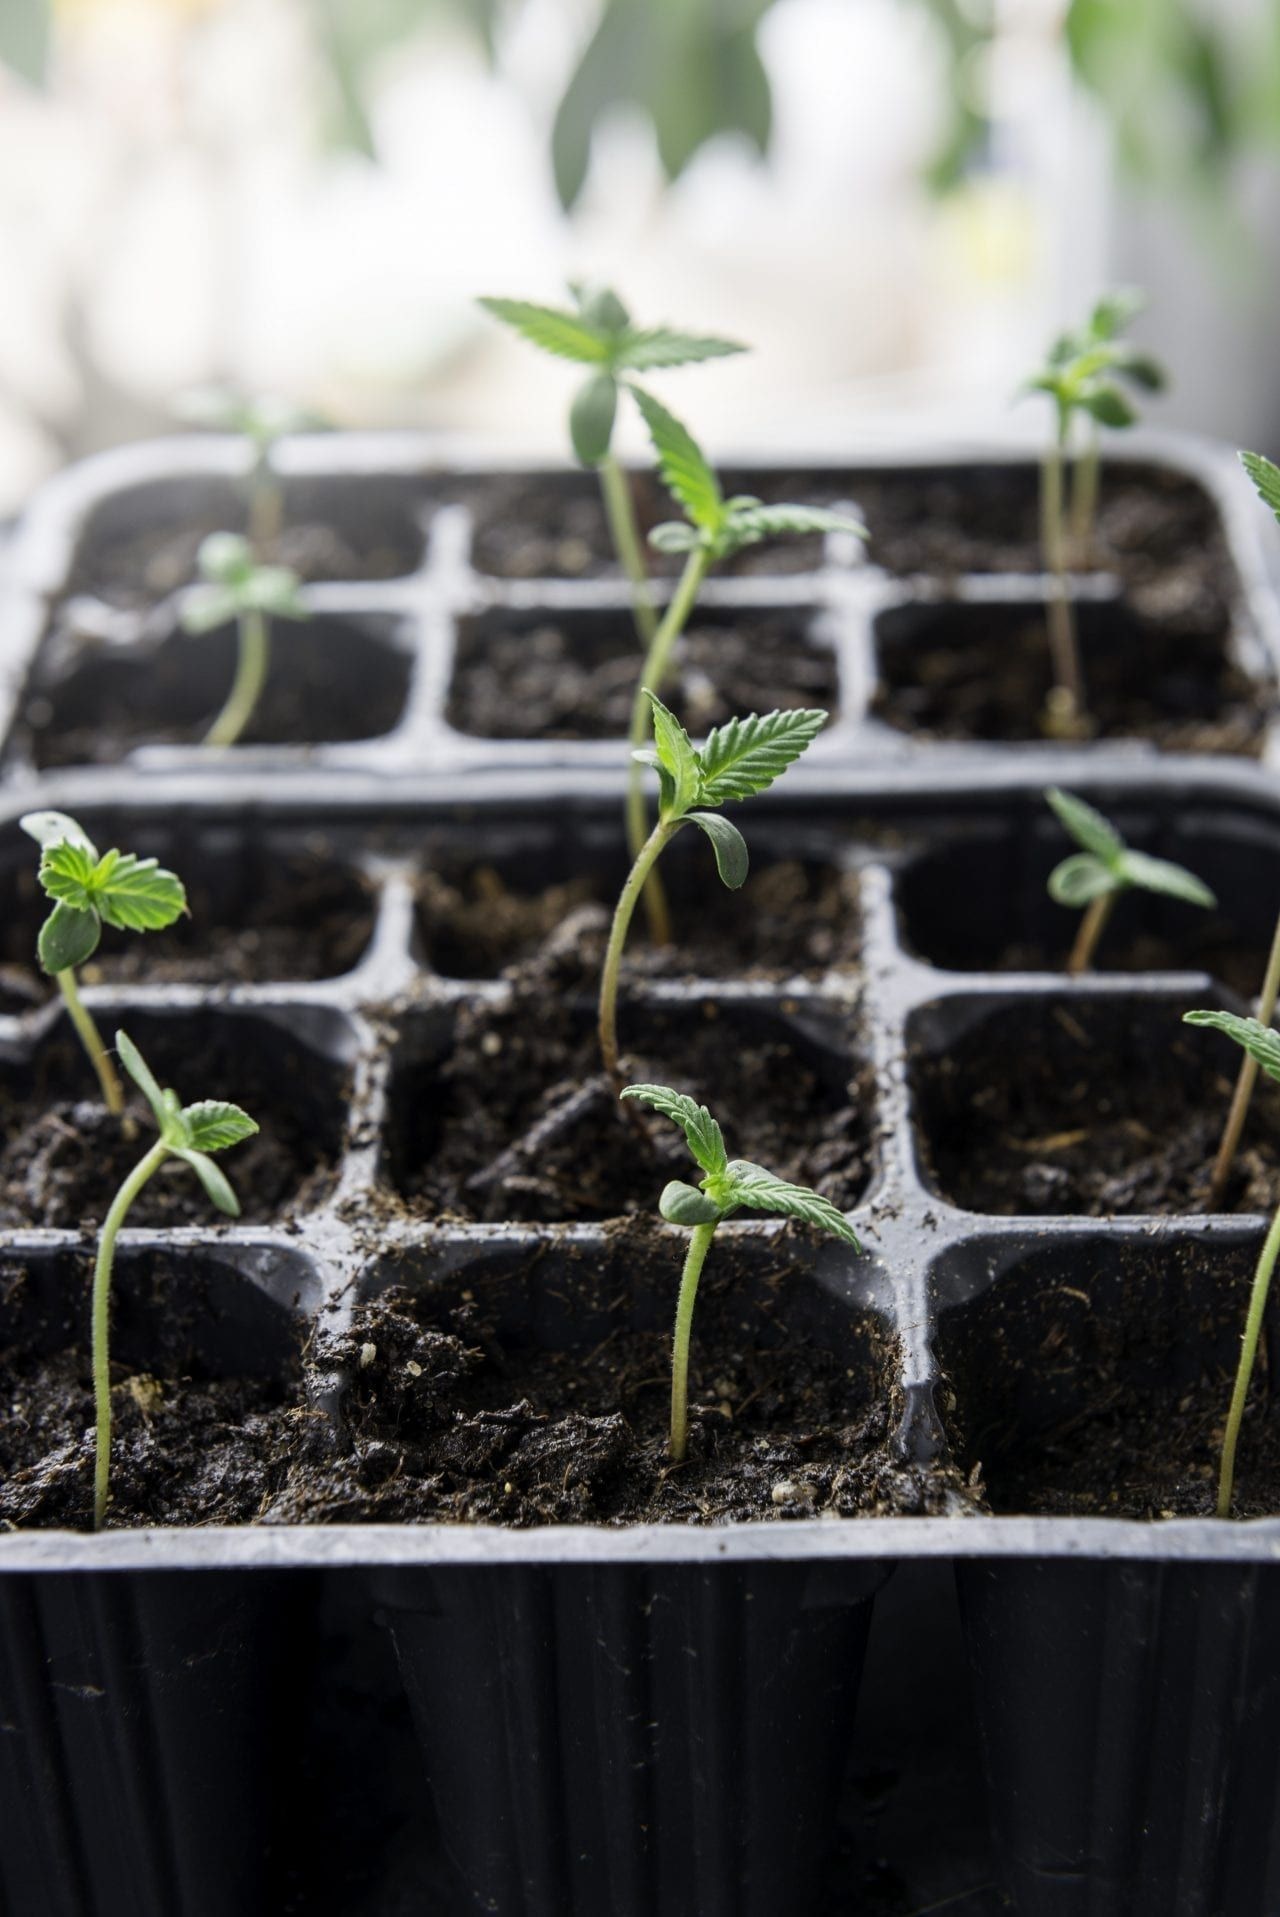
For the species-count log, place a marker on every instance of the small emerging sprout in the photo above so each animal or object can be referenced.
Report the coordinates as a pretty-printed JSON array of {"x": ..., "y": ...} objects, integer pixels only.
[
  {"x": 237, "y": 588},
  {"x": 1103, "y": 868},
  {"x": 1085, "y": 376},
  {"x": 738, "y": 761},
  {"x": 117, "y": 889},
  {"x": 188, "y": 1132},
  {"x": 599, "y": 335},
  {"x": 263, "y": 420},
  {"x": 1266, "y": 483},
  {"x": 726, "y": 1185},
  {"x": 1261, "y": 1043}
]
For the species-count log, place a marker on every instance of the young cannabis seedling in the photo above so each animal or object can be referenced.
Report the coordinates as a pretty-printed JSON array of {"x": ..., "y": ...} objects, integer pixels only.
[
  {"x": 1103, "y": 868},
  {"x": 1266, "y": 483},
  {"x": 1261, "y": 1044},
  {"x": 726, "y": 1185},
  {"x": 598, "y": 335},
  {"x": 237, "y": 588},
  {"x": 188, "y": 1132},
  {"x": 88, "y": 892},
  {"x": 262, "y": 420},
  {"x": 738, "y": 761},
  {"x": 1085, "y": 375}
]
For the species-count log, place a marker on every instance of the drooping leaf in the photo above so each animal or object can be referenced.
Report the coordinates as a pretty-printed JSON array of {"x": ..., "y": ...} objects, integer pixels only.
[
  {"x": 1091, "y": 832},
  {"x": 728, "y": 844},
  {"x": 1163, "y": 876},
  {"x": 591, "y": 418},
  {"x": 1081, "y": 879},
  {"x": 746, "y": 755},
  {"x": 1266, "y": 479},
  {"x": 67, "y": 938},
  {"x": 139, "y": 895},
  {"x": 213, "y": 1125},
  {"x": 682, "y": 1204},
  {"x": 141, "y": 1074},
  {"x": 1261, "y": 1042},
  {"x": 656, "y": 346},
  {"x": 212, "y": 1177},
  {"x": 758, "y": 1189},
  {"x": 685, "y": 472},
  {"x": 566, "y": 335},
  {"x": 677, "y": 758},
  {"x": 702, "y": 1134}
]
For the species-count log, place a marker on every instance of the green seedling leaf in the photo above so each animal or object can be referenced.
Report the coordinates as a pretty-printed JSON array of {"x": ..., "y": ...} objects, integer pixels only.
[
  {"x": 686, "y": 1205},
  {"x": 68, "y": 937},
  {"x": 1266, "y": 479},
  {"x": 683, "y": 469},
  {"x": 601, "y": 308},
  {"x": 674, "y": 535},
  {"x": 140, "y": 1072},
  {"x": 1081, "y": 879},
  {"x": 758, "y": 1189},
  {"x": 565, "y": 335},
  {"x": 1084, "y": 371},
  {"x": 90, "y": 891},
  {"x": 1091, "y": 832},
  {"x": 749, "y": 522},
  {"x": 591, "y": 418},
  {"x": 1108, "y": 405},
  {"x": 1114, "y": 311},
  {"x": 212, "y": 1177},
  {"x": 728, "y": 844},
  {"x": 1163, "y": 876},
  {"x": 1261, "y": 1042},
  {"x": 702, "y": 1134},
  {"x": 56, "y": 828},
  {"x": 745, "y": 756},
  {"x": 1108, "y": 865},
  {"x": 262, "y": 418},
  {"x": 213, "y": 1125},
  {"x": 676, "y": 758},
  {"x": 660, "y": 346}
]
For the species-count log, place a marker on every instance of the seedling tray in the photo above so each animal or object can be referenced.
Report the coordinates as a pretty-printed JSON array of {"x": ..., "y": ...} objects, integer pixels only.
[{"x": 784, "y": 1716}]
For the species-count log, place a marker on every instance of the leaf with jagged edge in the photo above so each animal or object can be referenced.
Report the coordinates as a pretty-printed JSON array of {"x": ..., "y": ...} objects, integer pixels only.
[
  {"x": 681, "y": 464},
  {"x": 677, "y": 758},
  {"x": 1265, "y": 475},
  {"x": 702, "y": 1134},
  {"x": 1261, "y": 1042},
  {"x": 213, "y": 1125},
  {"x": 746, "y": 755},
  {"x": 132, "y": 894},
  {"x": 565, "y": 335},
  {"x": 1091, "y": 832},
  {"x": 759, "y": 1190},
  {"x": 747, "y": 525},
  {"x": 1162, "y": 876},
  {"x": 652, "y": 347}
]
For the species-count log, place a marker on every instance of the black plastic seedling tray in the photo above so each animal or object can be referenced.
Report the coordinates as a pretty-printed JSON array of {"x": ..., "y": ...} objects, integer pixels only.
[{"x": 967, "y": 1710}]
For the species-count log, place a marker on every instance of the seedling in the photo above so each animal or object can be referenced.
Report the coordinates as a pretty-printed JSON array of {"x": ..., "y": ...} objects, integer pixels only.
[
  {"x": 188, "y": 1132},
  {"x": 713, "y": 529},
  {"x": 263, "y": 420},
  {"x": 726, "y": 1185},
  {"x": 1261, "y": 1044},
  {"x": 88, "y": 891},
  {"x": 1085, "y": 376},
  {"x": 237, "y": 588},
  {"x": 738, "y": 760},
  {"x": 1094, "y": 877},
  {"x": 1266, "y": 481},
  {"x": 598, "y": 334}
]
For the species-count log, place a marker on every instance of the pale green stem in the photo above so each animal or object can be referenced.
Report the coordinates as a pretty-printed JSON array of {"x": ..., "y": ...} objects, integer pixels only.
[
  {"x": 1067, "y": 699},
  {"x": 620, "y": 513},
  {"x": 251, "y": 675},
  {"x": 695, "y": 1258},
  {"x": 623, "y": 913},
  {"x": 1092, "y": 926},
  {"x": 102, "y": 1269},
  {"x": 1248, "y": 1353},
  {"x": 1245, "y": 1082},
  {"x": 656, "y": 666},
  {"x": 91, "y": 1038},
  {"x": 266, "y": 507},
  {"x": 1084, "y": 502}
]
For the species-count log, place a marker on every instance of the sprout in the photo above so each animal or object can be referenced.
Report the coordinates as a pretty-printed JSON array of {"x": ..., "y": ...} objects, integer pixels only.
[
  {"x": 188, "y": 1132},
  {"x": 1262, "y": 1046},
  {"x": 237, "y": 588},
  {"x": 1105, "y": 866},
  {"x": 738, "y": 760},
  {"x": 726, "y": 1185},
  {"x": 263, "y": 420},
  {"x": 1085, "y": 376},
  {"x": 117, "y": 889}
]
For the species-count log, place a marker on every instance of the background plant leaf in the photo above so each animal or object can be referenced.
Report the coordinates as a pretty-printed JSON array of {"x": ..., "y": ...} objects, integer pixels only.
[
  {"x": 1163, "y": 876},
  {"x": 1261, "y": 1042},
  {"x": 1266, "y": 479},
  {"x": 1091, "y": 832},
  {"x": 1081, "y": 879},
  {"x": 566, "y": 335}
]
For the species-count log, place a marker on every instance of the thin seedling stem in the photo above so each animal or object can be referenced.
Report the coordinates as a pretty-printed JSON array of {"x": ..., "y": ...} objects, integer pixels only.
[
  {"x": 619, "y": 510},
  {"x": 251, "y": 675},
  {"x": 91, "y": 1038},
  {"x": 623, "y": 913},
  {"x": 1248, "y": 1354},
  {"x": 1084, "y": 502},
  {"x": 1067, "y": 699},
  {"x": 1245, "y": 1082},
  {"x": 102, "y": 1270},
  {"x": 1092, "y": 926},
  {"x": 699, "y": 1245},
  {"x": 656, "y": 667}
]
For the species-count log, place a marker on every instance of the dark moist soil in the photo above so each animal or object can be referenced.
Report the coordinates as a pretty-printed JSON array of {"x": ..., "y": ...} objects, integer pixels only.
[
  {"x": 576, "y": 679},
  {"x": 451, "y": 1421},
  {"x": 792, "y": 919},
  {"x": 515, "y": 1120},
  {"x": 1061, "y": 1112}
]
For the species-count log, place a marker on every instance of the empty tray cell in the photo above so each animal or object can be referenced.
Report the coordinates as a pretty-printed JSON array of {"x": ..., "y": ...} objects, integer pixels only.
[
  {"x": 1088, "y": 1104},
  {"x": 265, "y": 906},
  {"x": 971, "y": 670},
  {"x": 509, "y": 1116},
  {"x": 572, "y": 675},
  {"x": 979, "y": 902},
  {"x": 1157, "y": 528},
  {"x": 63, "y": 1155},
  {"x": 141, "y": 543},
  {"x": 534, "y": 1387},
  {"x": 552, "y": 525},
  {"x": 544, "y": 897},
  {"x": 331, "y": 680},
  {"x": 1092, "y": 1376},
  {"x": 206, "y": 1368}
]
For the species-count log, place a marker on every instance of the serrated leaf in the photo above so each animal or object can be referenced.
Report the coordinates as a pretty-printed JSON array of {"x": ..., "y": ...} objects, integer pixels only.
[
  {"x": 565, "y": 335},
  {"x": 212, "y": 1177},
  {"x": 1266, "y": 479},
  {"x": 591, "y": 418},
  {"x": 747, "y": 755},
  {"x": 1091, "y": 832},
  {"x": 1081, "y": 879},
  {"x": 1164, "y": 877},
  {"x": 702, "y": 1134},
  {"x": 56, "y": 828},
  {"x": 139, "y": 895},
  {"x": 758, "y": 1189},
  {"x": 674, "y": 535},
  {"x": 748, "y": 525},
  {"x": 140, "y": 1072},
  {"x": 728, "y": 844},
  {"x": 656, "y": 346},
  {"x": 68, "y": 872},
  {"x": 682, "y": 1204},
  {"x": 684, "y": 471},
  {"x": 67, "y": 938},
  {"x": 1261, "y": 1042},
  {"x": 676, "y": 757},
  {"x": 213, "y": 1125}
]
